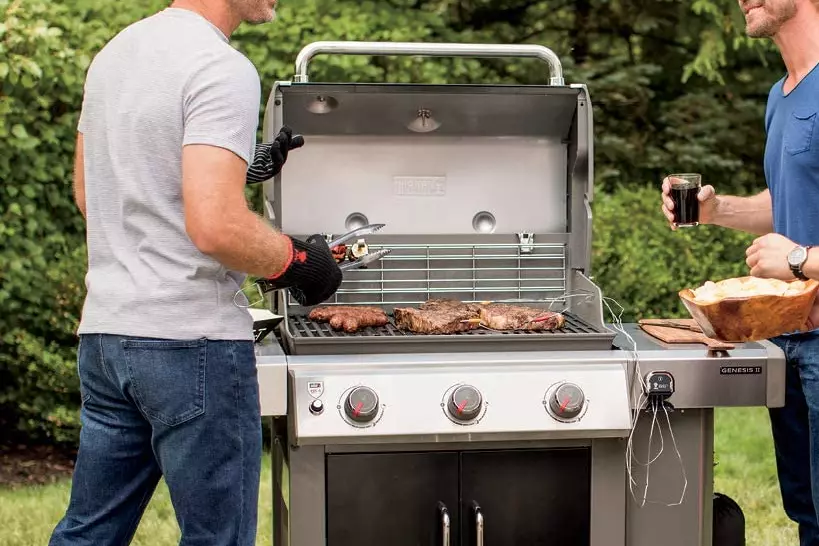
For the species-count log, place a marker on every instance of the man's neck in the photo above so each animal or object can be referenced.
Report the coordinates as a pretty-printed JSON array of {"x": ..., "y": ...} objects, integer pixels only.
[
  {"x": 798, "y": 43},
  {"x": 217, "y": 12}
]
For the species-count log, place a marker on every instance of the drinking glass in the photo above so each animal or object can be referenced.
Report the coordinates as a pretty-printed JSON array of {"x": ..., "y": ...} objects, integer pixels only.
[{"x": 684, "y": 190}]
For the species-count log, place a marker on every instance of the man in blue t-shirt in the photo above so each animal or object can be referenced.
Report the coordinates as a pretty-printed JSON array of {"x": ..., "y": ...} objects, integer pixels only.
[{"x": 786, "y": 216}]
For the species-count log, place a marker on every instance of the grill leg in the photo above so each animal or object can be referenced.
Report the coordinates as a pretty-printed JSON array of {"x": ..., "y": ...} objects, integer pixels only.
[{"x": 281, "y": 517}]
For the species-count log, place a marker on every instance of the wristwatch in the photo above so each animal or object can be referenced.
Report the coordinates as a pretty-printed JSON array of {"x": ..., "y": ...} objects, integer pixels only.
[{"x": 796, "y": 259}]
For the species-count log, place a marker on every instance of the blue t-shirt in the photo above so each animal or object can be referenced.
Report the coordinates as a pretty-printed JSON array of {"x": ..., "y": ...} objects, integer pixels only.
[{"x": 792, "y": 158}]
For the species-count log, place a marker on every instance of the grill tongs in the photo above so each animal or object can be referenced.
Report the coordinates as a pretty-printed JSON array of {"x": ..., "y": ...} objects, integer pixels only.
[
  {"x": 346, "y": 264},
  {"x": 356, "y": 261}
]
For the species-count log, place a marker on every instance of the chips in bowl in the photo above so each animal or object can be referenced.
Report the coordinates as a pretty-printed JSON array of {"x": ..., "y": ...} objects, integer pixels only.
[{"x": 750, "y": 308}]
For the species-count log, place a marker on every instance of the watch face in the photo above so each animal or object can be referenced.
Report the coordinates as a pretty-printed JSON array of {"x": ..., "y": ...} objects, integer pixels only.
[{"x": 797, "y": 256}]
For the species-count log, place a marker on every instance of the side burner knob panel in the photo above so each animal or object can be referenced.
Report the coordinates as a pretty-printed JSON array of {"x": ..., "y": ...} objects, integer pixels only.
[
  {"x": 565, "y": 401},
  {"x": 465, "y": 403},
  {"x": 361, "y": 404}
]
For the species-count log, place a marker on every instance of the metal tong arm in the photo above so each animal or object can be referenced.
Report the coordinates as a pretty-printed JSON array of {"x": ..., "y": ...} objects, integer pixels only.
[
  {"x": 364, "y": 230},
  {"x": 365, "y": 260},
  {"x": 430, "y": 50}
]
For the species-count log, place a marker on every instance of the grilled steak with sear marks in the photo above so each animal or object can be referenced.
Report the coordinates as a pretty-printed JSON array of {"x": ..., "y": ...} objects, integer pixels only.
[
  {"x": 442, "y": 316},
  {"x": 439, "y": 316},
  {"x": 501, "y": 316}
]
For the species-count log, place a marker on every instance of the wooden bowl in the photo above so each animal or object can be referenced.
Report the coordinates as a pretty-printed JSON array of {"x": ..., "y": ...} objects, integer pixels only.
[{"x": 752, "y": 318}]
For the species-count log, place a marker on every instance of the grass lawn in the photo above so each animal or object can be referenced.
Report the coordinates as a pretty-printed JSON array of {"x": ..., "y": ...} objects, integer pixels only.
[{"x": 745, "y": 472}]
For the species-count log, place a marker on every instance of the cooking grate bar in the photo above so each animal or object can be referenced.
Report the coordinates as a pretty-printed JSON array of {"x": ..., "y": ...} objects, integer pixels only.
[{"x": 302, "y": 327}]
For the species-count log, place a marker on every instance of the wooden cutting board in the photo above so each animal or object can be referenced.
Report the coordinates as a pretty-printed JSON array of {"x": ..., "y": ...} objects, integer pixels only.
[
  {"x": 679, "y": 335},
  {"x": 685, "y": 324}
]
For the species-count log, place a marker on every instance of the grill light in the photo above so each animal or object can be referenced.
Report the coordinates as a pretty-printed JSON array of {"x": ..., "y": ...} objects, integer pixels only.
[
  {"x": 322, "y": 105},
  {"x": 423, "y": 122}
]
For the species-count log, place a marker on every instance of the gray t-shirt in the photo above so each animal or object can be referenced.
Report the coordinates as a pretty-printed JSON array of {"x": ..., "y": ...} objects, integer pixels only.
[{"x": 166, "y": 81}]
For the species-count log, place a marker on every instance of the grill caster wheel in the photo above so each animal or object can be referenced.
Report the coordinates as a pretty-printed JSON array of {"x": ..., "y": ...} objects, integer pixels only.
[{"x": 729, "y": 522}]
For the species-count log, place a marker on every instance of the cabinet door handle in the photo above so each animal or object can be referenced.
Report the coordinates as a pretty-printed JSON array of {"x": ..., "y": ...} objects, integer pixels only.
[
  {"x": 443, "y": 513},
  {"x": 476, "y": 509}
]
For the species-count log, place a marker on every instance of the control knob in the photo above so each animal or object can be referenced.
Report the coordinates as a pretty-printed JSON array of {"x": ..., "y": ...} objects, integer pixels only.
[
  {"x": 316, "y": 407},
  {"x": 465, "y": 403},
  {"x": 566, "y": 401},
  {"x": 361, "y": 404}
]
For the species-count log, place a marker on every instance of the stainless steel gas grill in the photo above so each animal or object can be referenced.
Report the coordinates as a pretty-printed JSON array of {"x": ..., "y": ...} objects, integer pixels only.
[{"x": 384, "y": 436}]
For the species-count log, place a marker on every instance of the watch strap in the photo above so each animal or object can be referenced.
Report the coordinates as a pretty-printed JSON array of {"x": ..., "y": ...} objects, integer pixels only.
[{"x": 797, "y": 269}]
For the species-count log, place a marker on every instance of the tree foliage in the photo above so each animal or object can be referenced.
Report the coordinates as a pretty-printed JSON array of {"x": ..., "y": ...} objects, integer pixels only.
[{"x": 675, "y": 86}]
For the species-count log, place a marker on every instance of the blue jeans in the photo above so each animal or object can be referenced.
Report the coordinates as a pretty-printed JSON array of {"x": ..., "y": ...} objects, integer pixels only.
[
  {"x": 795, "y": 430},
  {"x": 185, "y": 410}
]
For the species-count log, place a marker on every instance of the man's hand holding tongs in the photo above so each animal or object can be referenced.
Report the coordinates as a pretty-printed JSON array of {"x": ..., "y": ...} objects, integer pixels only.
[{"x": 311, "y": 274}]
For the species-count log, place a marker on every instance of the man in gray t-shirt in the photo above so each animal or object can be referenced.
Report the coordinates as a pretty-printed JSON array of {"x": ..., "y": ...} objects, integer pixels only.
[{"x": 166, "y": 358}]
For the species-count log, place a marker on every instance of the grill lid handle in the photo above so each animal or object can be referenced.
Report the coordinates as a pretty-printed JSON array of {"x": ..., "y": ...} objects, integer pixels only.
[{"x": 429, "y": 50}]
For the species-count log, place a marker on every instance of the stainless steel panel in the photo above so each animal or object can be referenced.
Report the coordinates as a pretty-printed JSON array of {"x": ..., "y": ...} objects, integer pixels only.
[
  {"x": 307, "y": 497},
  {"x": 585, "y": 299},
  {"x": 704, "y": 382},
  {"x": 271, "y": 367},
  {"x": 608, "y": 493},
  {"x": 753, "y": 374},
  {"x": 464, "y": 111},
  {"x": 423, "y": 186},
  {"x": 445, "y": 445},
  {"x": 689, "y": 523},
  {"x": 413, "y": 394},
  {"x": 776, "y": 375},
  {"x": 581, "y": 177}
]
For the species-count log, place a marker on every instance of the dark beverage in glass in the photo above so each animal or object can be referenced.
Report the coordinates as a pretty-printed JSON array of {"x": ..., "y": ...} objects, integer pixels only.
[{"x": 684, "y": 190}]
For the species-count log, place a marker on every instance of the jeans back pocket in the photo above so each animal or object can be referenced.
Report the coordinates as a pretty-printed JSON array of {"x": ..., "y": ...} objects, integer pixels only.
[
  {"x": 168, "y": 377},
  {"x": 798, "y": 132}
]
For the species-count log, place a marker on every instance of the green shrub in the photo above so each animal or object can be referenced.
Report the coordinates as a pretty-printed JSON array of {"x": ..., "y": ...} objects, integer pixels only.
[
  {"x": 642, "y": 264},
  {"x": 44, "y": 52}
]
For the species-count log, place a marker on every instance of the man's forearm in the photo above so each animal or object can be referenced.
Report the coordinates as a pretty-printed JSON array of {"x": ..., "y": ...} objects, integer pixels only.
[
  {"x": 750, "y": 214},
  {"x": 80, "y": 201},
  {"x": 79, "y": 175},
  {"x": 247, "y": 243}
]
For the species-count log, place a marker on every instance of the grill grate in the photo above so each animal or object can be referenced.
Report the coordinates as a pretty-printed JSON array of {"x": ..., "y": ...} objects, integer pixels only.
[
  {"x": 302, "y": 327},
  {"x": 414, "y": 273}
]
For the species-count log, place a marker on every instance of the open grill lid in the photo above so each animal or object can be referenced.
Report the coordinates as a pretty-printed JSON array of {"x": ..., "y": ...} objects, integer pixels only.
[{"x": 435, "y": 159}]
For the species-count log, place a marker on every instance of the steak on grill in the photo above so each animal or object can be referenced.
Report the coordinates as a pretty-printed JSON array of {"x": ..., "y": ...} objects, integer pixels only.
[
  {"x": 439, "y": 316},
  {"x": 349, "y": 318},
  {"x": 501, "y": 316}
]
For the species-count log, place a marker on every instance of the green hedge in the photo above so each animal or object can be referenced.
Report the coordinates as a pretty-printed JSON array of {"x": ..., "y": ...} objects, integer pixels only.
[{"x": 44, "y": 53}]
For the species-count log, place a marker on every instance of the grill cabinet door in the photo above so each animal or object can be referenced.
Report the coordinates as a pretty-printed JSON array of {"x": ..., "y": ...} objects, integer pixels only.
[
  {"x": 526, "y": 497},
  {"x": 391, "y": 499}
]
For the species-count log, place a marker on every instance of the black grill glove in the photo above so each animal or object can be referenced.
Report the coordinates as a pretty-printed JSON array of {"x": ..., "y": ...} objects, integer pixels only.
[
  {"x": 311, "y": 275},
  {"x": 269, "y": 159}
]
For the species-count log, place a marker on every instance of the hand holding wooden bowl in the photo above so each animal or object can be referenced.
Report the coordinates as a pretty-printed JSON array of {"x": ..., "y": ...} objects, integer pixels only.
[{"x": 747, "y": 309}]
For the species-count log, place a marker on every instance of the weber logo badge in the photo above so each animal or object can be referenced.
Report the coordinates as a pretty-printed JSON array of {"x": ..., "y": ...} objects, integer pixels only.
[
  {"x": 419, "y": 186},
  {"x": 740, "y": 370},
  {"x": 315, "y": 388}
]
